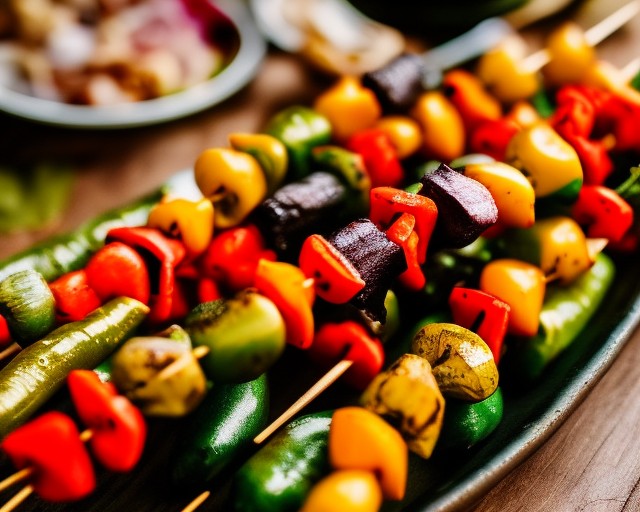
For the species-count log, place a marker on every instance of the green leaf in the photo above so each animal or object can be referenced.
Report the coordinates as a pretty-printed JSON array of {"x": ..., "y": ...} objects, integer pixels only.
[{"x": 34, "y": 197}]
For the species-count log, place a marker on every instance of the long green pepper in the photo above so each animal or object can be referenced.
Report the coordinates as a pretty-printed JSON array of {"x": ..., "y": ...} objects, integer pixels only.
[{"x": 39, "y": 370}]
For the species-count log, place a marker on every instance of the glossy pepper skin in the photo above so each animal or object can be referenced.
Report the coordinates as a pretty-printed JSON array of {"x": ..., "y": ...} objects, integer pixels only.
[
  {"x": 443, "y": 132},
  {"x": 360, "y": 439},
  {"x": 565, "y": 312},
  {"x": 348, "y": 106},
  {"x": 233, "y": 181},
  {"x": 349, "y": 341},
  {"x": 280, "y": 475},
  {"x": 232, "y": 257},
  {"x": 380, "y": 156},
  {"x": 219, "y": 431},
  {"x": 547, "y": 160},
  {"x": 603, "y": 211},
  {"x": 74, "y": 298},
  {"x": 270, "y": 153},
  {"x": 28, "y": 306},
  {"x": 300, "y": 129},
  {"x": 189, "y": 221},
  {"x": 519, "y": 284},
  {"x": 556, "y": 244},
  {"x": 26, "y": 383},
  {"x": 118, "y": 428},
  {"x": 245, "y": 335},
  {"x": 287, "y": 286},
  {"x": 51, "y": 445},
  {"x": 467, "y": 424},
  {"x": 482, "y": 313},
  {"x": 349, "y": 489}
]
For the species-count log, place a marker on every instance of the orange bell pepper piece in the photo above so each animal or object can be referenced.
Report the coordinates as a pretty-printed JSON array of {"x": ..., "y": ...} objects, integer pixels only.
[{"x": 285, "y": 284}]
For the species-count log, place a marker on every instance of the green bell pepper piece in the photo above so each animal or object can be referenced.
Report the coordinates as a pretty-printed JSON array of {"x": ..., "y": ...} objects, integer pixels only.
[
  {"x": 279, "y": 476},
  {"x": 565, "y": 312},
  {"x": 467, "y": 423},
  {"x": 300, "y": 129},
  {"x": 28, "y": 306},
  {"x": 219, "y": 431}
]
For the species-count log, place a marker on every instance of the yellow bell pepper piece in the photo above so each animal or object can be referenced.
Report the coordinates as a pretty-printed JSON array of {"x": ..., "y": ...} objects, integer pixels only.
[
  {"x": 443, "y": 135},
  {"x": 270, "y": 153},
  {"x": 547, "y": 160},
  {"x": 511, "y": 191},
  {"x": 503, "y": 74},
  {"x": 563, "y": 252},
  {"x": 408, "y": 393},
  {"x": 345, "y": 491},
  {"x": 520, "y": 284},
  {"x": 191, "y": 221},
  {"x": 570, "y": 55},
  {"x": 233, "y": 181},
  {"x": 360, "y": 439},
  {"x": 404, "y": 133},
  {"x": 348, "y": 106}
]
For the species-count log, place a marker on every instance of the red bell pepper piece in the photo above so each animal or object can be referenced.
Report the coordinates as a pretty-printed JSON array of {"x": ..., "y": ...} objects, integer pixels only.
[
  {"x": 575, "y": 112},
  {"x": 402, "y": 233},
  {"x": 350, "y": 341},
  {"x": 491, "y": 137},
  {"x": 208, "y": 290},
  {"x": 232, "y": 257},
  {"x": 335, "y": 279},
  {"x": 387, "y": 203},
  {"x": 482, "y": 313},
  {"x": 118, "y": 270},
  {"x": 380, "y": 157},
  {"x": 117, "y": 426},
  {"x": 293, "y": 294},
  {"x": 74, "y": 298},
  {"x": 51, "y": 445},
  {"x": 162, "y": 255},
  {"x": 575, "y": 120},
  {"x": 605, "y": 213},
  {"x": 5, "y": 335}
]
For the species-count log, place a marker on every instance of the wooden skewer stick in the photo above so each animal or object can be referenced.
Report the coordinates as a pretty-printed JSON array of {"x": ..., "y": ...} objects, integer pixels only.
[
  {"x": 199, "y": 500},
  {"x": 25, "y": 473},
  {"x": 12, "y": 349},
  {"x": 19, "y": 497},
  {"x": 596, "y": 34},
  {"x": 323, "y": 383},
  {"x": 18, "y": 476}
]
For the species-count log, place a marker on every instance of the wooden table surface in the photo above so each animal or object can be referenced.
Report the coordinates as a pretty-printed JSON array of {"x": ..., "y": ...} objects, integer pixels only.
[{"x": 591, "y": 463}]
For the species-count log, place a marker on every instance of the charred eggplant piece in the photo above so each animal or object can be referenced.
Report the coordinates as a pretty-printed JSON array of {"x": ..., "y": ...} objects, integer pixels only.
[
  {"x": 465, "y": 207},
  {"x": 398, "y": 84},
  {"x": 378, "y": 260},
  {"x": 317, "y": 203}
]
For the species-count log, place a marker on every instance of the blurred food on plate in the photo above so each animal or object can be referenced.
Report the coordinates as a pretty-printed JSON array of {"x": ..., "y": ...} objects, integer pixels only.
[{"x": 104, "y": 52}]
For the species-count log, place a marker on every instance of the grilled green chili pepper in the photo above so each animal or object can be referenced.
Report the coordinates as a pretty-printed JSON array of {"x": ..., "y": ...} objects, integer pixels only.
[
  {"x": 221, "y": 428},
  {"x": 300, "y": 129},
  {"x": 28, "y": 306},
  {"x": 39, "y": 370},
  {"x": 71, "y": 251},
  {"x": 466, "y": 423},
  {"x": 565, "y": 312},
  {"x": 280, "y": 475}
]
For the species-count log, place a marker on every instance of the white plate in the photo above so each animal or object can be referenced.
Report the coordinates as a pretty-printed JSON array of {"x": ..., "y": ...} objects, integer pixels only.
[{"x": 233, "y": 77}]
